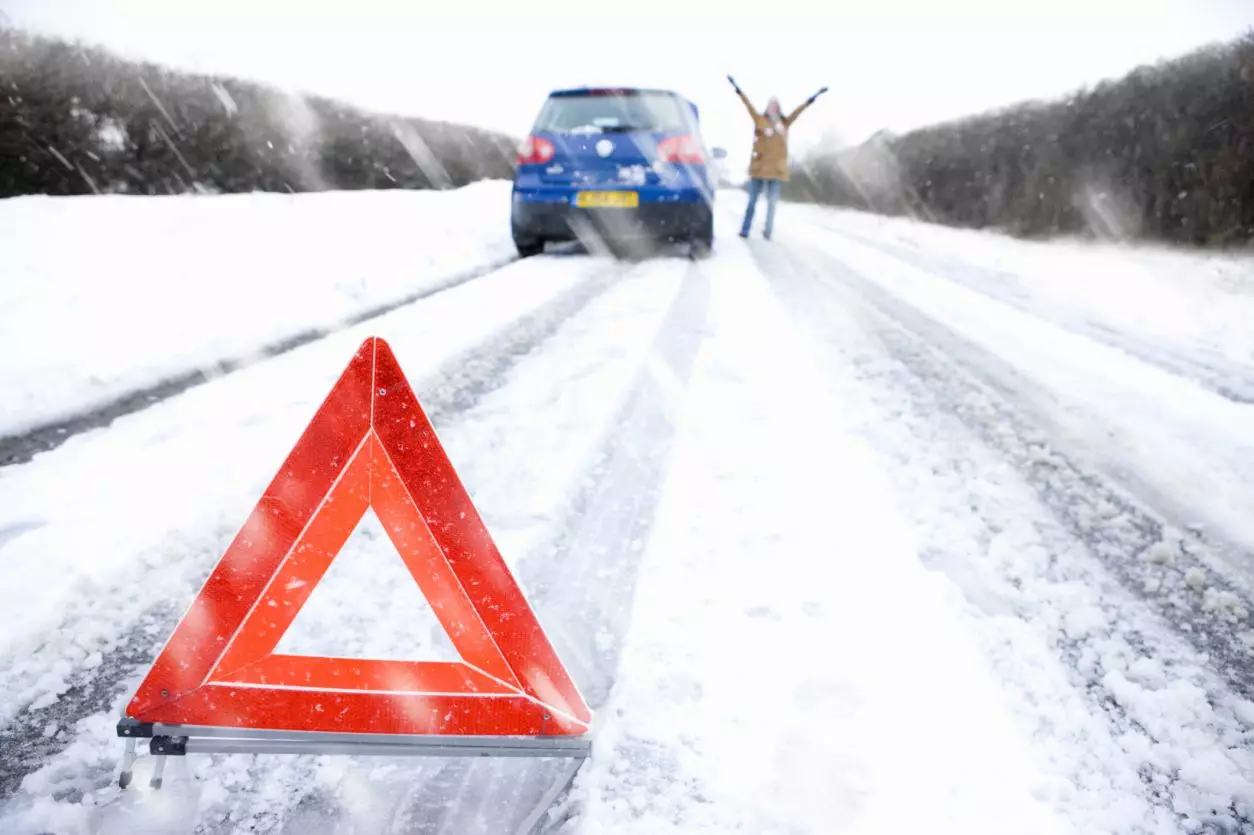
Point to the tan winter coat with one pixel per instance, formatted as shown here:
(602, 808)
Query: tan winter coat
(770, 142)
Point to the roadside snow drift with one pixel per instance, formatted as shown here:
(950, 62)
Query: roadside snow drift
(1189, 312)
(101, 296)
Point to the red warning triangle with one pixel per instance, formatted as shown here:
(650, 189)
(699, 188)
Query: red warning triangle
(370, 445)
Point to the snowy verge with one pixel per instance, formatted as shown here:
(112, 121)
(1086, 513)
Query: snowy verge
(102, 296)
(1190, 310)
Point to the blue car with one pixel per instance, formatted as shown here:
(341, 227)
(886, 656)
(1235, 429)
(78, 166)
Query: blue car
(614, 164)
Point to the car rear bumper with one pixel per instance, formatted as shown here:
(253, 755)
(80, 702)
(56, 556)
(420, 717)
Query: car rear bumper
(552, 218)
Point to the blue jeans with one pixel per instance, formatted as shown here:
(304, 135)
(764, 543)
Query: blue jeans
(772, 197)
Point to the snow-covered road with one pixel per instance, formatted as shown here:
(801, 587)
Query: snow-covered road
(870, 527)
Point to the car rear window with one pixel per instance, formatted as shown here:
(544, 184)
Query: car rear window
(612, 112)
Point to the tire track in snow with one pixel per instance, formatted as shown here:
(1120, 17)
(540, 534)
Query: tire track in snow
(1119, 657)
(40, 733)
(593, 564)
(586, 576)
(1171, 568)
(596, 581)
(18, 449)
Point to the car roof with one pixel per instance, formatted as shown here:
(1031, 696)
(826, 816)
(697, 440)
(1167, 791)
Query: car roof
(575, 91)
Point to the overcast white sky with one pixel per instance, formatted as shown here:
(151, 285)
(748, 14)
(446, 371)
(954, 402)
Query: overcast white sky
(889, 63)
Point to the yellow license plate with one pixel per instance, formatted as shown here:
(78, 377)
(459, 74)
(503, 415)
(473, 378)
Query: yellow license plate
(607, 199)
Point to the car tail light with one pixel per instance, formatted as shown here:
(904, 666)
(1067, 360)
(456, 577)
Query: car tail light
(681, 149)
(535, 150)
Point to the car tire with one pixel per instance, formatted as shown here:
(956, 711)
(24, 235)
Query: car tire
(528, 247)
(702, 243)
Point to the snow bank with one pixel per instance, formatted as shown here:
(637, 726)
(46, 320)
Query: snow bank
(100, 296)
(1190, 309)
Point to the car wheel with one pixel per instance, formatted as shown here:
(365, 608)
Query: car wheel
(702, 243)
(528, 247)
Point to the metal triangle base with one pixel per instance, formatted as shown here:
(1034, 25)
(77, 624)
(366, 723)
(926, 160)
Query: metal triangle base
(177, 740)
(181, 740)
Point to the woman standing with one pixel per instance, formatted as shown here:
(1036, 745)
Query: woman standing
(769, 166)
